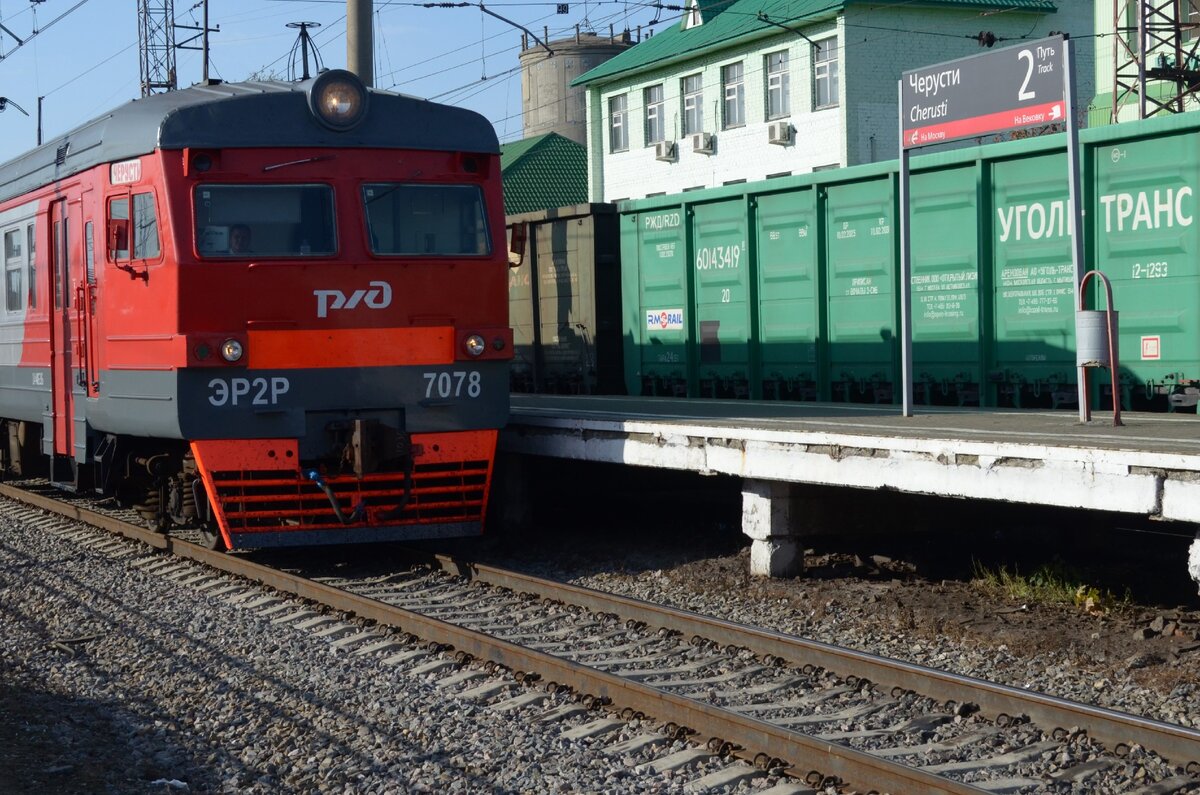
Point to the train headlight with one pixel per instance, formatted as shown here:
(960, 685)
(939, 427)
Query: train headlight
(231, 350)
(475, 345)
(338, 99)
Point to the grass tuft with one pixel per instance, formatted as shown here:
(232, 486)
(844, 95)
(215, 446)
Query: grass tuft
(1052, 583)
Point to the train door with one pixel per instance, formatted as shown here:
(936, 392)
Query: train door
(62, 365)
(85, 305)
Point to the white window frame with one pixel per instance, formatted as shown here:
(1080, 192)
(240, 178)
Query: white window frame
(618, 129)
(31, 275)
(733, 82)
(778, 85)
(692, 89)
(825, 74)
(15, 268)
(655, 127)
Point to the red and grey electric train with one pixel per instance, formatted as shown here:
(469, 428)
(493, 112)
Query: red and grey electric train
(277, 311)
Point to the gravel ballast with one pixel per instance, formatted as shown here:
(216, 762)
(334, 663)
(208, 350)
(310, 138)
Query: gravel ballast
(115, 679)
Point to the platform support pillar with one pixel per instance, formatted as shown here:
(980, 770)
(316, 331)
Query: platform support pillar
(1194, 560)
(769, 517)
(509, 504)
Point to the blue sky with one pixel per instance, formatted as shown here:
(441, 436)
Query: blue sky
(84, 59)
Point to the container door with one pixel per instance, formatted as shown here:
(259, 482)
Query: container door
(565, 341)
(861, 256)
(723, 300)
(786, 230)
(62, 363)
(1033, 292)
(1148, 244)
(525, 371)
(947, 346)
(662, 298)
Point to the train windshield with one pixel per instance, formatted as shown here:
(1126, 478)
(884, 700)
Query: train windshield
(426, 220)
(264, 220)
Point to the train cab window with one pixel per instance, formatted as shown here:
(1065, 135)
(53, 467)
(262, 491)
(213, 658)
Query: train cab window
(235, 221)
(145, 226)
(142, 227)
(426, 220)
(118, 239)
(14, 270)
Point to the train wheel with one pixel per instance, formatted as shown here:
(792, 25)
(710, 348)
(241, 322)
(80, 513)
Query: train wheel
(201, 508)
(151, 510)
(210, 538)
(159, 522)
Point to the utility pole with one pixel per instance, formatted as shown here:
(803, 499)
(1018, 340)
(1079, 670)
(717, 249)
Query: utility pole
(204, 45)
(1156, 56)
(202, 34)
(156, 45)
(360, 55)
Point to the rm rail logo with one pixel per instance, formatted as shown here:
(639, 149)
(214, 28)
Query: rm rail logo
(378, 296)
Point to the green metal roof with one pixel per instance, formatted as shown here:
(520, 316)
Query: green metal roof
(543, 172)
(727, 22)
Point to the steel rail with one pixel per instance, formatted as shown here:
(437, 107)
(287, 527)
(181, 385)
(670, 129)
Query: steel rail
(1178, 744)
(749, 737)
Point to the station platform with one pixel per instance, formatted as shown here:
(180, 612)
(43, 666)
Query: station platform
(1148, 466)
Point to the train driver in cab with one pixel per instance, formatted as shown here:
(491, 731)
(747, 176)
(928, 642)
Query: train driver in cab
(239, 239)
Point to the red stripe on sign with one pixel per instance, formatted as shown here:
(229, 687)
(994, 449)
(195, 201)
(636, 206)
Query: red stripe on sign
(1049, 113)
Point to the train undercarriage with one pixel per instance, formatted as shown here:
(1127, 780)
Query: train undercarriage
(372, 483)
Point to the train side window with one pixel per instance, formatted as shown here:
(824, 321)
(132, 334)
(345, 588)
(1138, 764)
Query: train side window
(62, 265)
(31, 238)
(145, 226)
(14, 268)
(118, 228)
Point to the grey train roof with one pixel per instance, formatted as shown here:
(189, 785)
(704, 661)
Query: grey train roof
(253, 114)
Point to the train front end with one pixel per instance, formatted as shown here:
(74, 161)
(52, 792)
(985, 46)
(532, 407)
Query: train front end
(344, 303)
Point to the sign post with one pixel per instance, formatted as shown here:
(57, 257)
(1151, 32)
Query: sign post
(1021, 86)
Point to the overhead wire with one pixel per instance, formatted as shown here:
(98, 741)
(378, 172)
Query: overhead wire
(39, 30)
(563, 31)
(842, 51)
(334, 30)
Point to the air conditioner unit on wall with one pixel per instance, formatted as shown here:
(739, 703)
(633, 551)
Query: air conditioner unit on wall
(704, 143)
(779, 132)
(665, 151)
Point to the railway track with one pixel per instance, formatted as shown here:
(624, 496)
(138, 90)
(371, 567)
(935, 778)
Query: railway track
(835, 718)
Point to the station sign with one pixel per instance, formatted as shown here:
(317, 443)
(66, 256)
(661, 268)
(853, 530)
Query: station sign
(1007, 89)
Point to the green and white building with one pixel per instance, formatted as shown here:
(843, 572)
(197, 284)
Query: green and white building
(742, 90)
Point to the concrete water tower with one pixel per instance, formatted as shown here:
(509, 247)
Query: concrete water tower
(549, 103)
